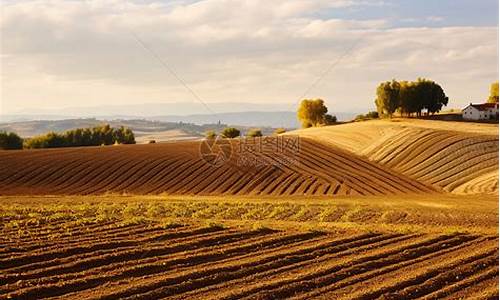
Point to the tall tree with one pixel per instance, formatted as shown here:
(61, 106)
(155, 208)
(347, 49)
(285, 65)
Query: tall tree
(493, 93)
(432, 95)
(408, 98)
(387, 100)
(312, 112)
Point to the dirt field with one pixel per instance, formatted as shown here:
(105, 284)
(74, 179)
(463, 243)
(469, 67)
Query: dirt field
(457, 157)
(177, 169)
(371, 210)
(223, 248)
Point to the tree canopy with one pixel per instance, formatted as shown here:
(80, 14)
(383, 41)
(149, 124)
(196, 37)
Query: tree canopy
(493, 98)
(10, 141)
(210, 134)
(387, 100)
(254, 133)
(230, 132)
(312, 113)
(410, 97)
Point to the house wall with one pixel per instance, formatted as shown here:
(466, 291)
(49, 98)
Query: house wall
(470, 113)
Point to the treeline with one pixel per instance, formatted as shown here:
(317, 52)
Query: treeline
(10, 141)
(410, 97)
(96, 136)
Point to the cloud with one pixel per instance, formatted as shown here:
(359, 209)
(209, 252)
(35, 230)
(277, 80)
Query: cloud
(71, 53)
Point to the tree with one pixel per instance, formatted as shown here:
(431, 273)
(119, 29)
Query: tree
(432, 95)
(330, 119)
(254, 133)
(10, 141)
(387, 100)
(230, 132)
(312, 112)
(129, 137)
(210, 134)
(408, 98)
(493, 93)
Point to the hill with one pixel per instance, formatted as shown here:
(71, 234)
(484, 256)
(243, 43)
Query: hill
(455, 156)
(178, 168)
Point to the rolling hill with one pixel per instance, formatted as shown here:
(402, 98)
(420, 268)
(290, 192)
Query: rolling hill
(178, 168)
(457, 157)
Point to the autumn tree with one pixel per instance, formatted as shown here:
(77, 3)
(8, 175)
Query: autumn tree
(311, 112)
(387, 100)
(210, 134)
(493, 93)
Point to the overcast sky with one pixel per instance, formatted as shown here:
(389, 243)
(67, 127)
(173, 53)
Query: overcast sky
(57, 54)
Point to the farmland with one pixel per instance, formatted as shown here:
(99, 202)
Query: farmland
(360, 211)
(177, 168)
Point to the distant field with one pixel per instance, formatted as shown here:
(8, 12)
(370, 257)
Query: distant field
(143, 137)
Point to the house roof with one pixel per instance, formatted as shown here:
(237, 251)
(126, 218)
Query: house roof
(483, 106)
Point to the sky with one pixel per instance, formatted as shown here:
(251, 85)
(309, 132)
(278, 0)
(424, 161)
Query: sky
(59, 54)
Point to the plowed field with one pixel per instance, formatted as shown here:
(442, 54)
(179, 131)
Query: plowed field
(108, 261)
(457, 157)
(179, 168)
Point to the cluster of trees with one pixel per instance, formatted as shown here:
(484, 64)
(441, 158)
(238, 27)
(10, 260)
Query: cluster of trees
(10, 141)
(493, 98)
(410, 98)
(228, 132)
(313, 113)
(101, 135)
(231, 132)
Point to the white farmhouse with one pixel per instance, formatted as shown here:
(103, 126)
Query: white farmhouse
(485, 111)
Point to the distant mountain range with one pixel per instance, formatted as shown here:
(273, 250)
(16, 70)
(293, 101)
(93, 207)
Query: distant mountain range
(241, 114)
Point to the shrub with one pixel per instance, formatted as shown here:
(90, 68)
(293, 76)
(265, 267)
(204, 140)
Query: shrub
(370, 115)
(10, 141)
(230, 132)
(210, 134)
(254, 133)
(279, 130)
(330, 119)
